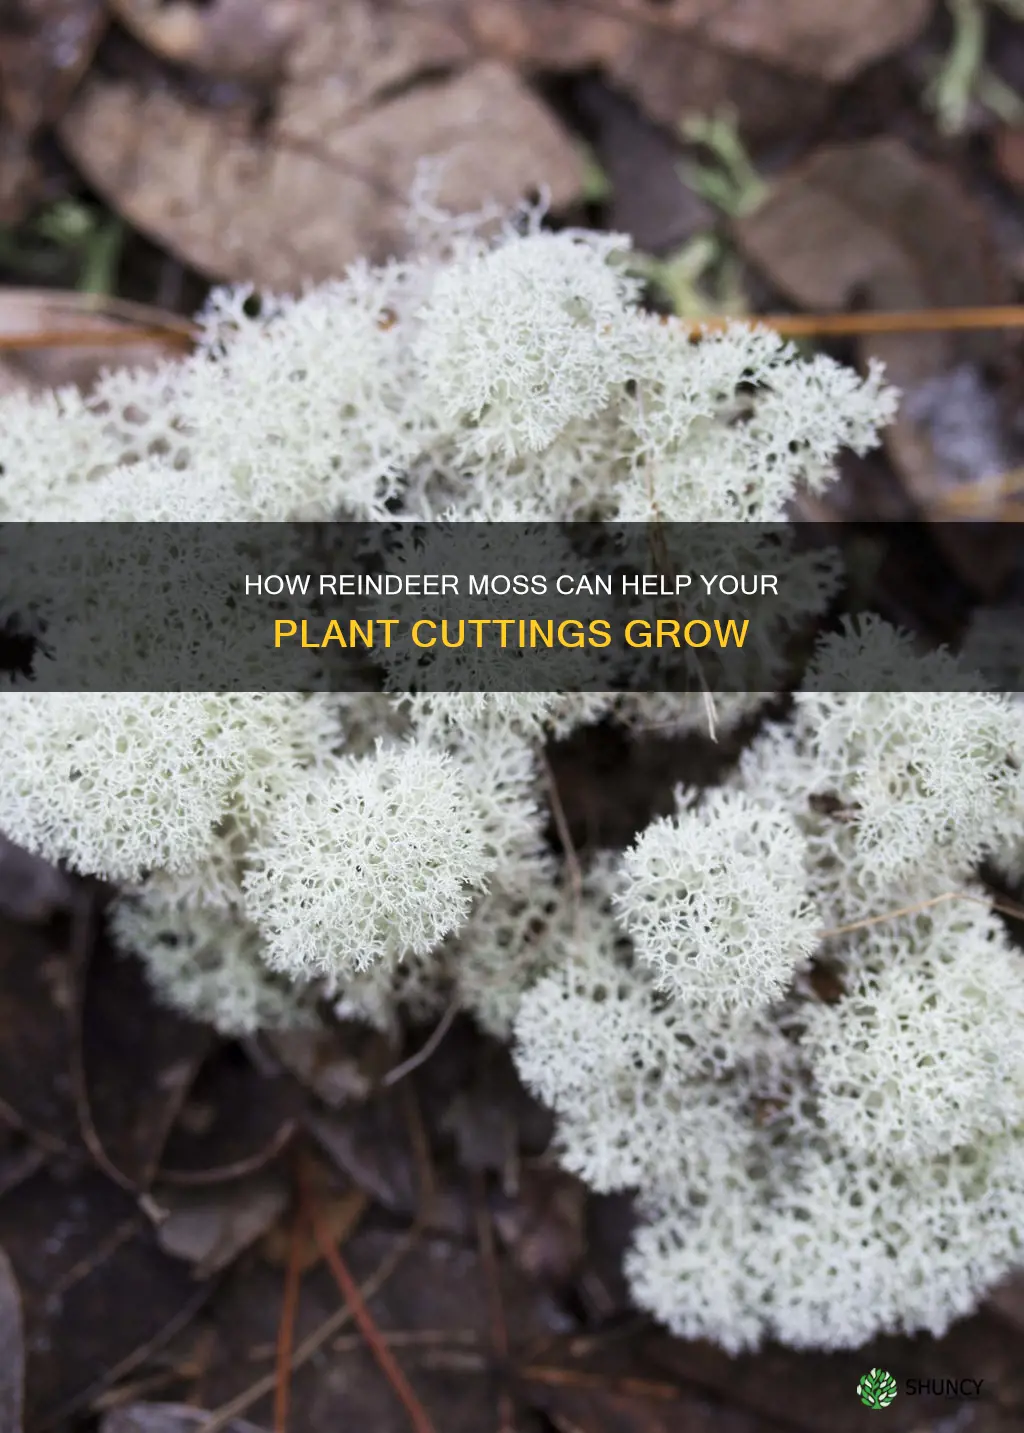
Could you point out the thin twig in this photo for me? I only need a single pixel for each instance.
(138, 1356)
(580, 1378)
(938, 320)
(239, 1168)
(426, 1050)
(492, 1277)
(83, 932)
(811, 325)
(1003, 907)
(971, 496)
(355, 1301)
(310, 1346)
(413, 1338)
(572, 860)
(100, 338)
(426, 1174)
(286, 1323)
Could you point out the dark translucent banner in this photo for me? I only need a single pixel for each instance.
(483, 607)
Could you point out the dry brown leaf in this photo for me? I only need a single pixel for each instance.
(209, 1228)
(96, 1290)
(828, 42)
(138, 1063)
(543, 1226)
(45, 47)
(831, 42)
(771, 64)
(673, 75)
(1007, 1299)
(27, 313)
(368, 92)
(1009, 155)
(339, 1064)
(873, 222)
(872, 225)
(231, 39)
(31, 889)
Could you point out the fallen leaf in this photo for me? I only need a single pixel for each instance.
(323, 175)
(873, 225)
(166, 1418)
(35, 998)
(96, 1289)
(339, 1064)
(210, 1227)
(812, 1391)
(673, 75)
(602, 1286)
(470, 1092)
(31, 889)
(140, 1060)
(543, 1226)
(370, 1144)
(1007, 1299)
(873, 222)
(666, 63)
(12, 1350)
(45, 47)
(230, 39)
(1009, 155)
(828, 42)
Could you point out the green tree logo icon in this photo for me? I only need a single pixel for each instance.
(877, 1389)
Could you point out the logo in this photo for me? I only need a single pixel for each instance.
(877, 1389)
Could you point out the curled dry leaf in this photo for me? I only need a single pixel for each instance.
(297, 190)
(872, 225)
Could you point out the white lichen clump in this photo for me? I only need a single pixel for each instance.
(820, 1103)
